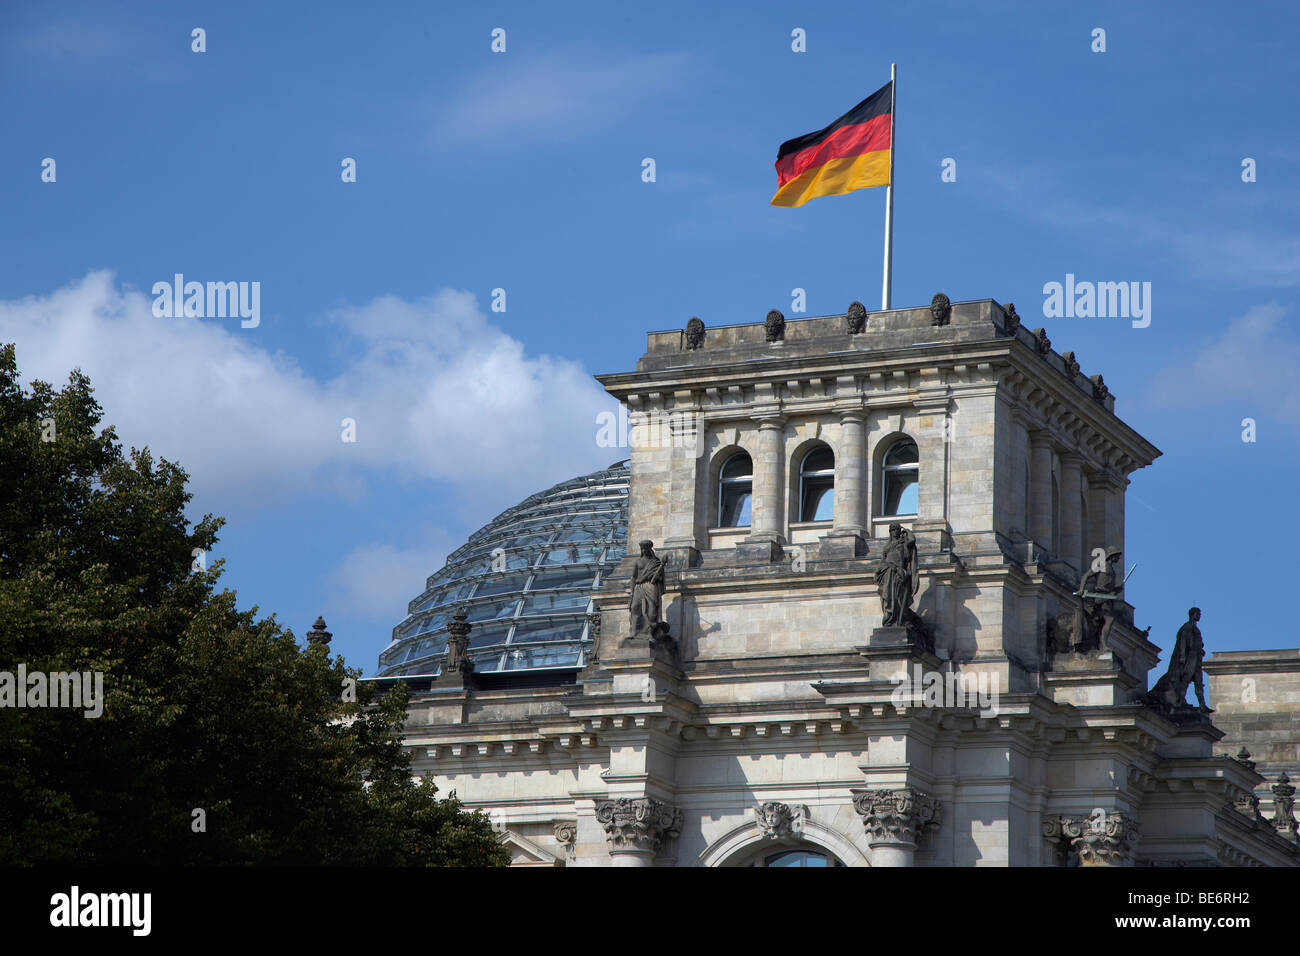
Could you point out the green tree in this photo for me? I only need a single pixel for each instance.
(206, 707)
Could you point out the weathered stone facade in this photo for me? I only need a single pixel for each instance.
(778, 713)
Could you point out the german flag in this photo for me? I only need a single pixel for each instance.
(852, 153)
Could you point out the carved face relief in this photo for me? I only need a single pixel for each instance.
(694, 333)
(775, 326)
(856, 317)
(940, 309)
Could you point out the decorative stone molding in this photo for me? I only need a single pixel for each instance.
(566, 834)
(1099, 389)
(638, 824)
(1098, 840)
(1041, 342)
(1071, 366)
(1012, 320)
(1284, 804)
(780, 820)
(856, 318)
(897, 816)
(774, 326)
(694, 333)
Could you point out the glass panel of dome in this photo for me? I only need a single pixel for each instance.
(487, 636)
(551, 630)
(550, 601)
(570, 555)
(501, 583)
(453, 594)
(563, 578)
(524, 658)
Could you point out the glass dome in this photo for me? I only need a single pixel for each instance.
(525, 581)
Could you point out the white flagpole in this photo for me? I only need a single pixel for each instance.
(889, 192)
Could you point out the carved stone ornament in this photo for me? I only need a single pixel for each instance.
(1099, 389)
(897, 816)
(780, 820)
(593, 619)
(1284, 804)
(566, 834)
(638, 824)
(458, 643)
(774, 326)
(940, 309)
(1041, 341)
(856, 317)
(1012, 320)
(318, 635)
(1071, 366)
(1098, 840)
(694, 333)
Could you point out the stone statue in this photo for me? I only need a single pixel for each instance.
(897, 576)
(1185, 659)
(1086, 628)
(646, 600)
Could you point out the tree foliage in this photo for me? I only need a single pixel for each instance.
(206, 707)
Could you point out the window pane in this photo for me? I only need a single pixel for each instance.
(902, 453)
(797, 858)
(737, 466)
(818, 499)
(821, 459)
(900, 492)
(735, 506)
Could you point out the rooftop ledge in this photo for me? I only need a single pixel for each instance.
(857, 330)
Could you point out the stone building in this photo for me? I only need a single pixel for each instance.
(981, 706)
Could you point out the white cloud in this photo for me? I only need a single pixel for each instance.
(1254, 360)
(557, 95)
(437, 391)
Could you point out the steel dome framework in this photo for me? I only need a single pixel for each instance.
(525, 581)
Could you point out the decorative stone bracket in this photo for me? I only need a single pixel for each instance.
(897, 816)
(639, 824)
(1099, 840)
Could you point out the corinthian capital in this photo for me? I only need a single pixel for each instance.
(638, 824)
(897, 816)
(1099, 839)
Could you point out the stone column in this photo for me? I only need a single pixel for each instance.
(848, 537)
(1071, 511)
(894, 821)
(1040, 488)
(636, 828)
(685, 432)
(769, 488)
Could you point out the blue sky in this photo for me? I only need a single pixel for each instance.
(522, 171)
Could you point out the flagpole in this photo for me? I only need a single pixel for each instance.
(889, 193)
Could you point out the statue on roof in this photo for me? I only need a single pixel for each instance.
(1170, 692)
(645, 603)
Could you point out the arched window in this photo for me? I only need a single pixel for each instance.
(735, 490)
(899, 477)
(817, 485)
